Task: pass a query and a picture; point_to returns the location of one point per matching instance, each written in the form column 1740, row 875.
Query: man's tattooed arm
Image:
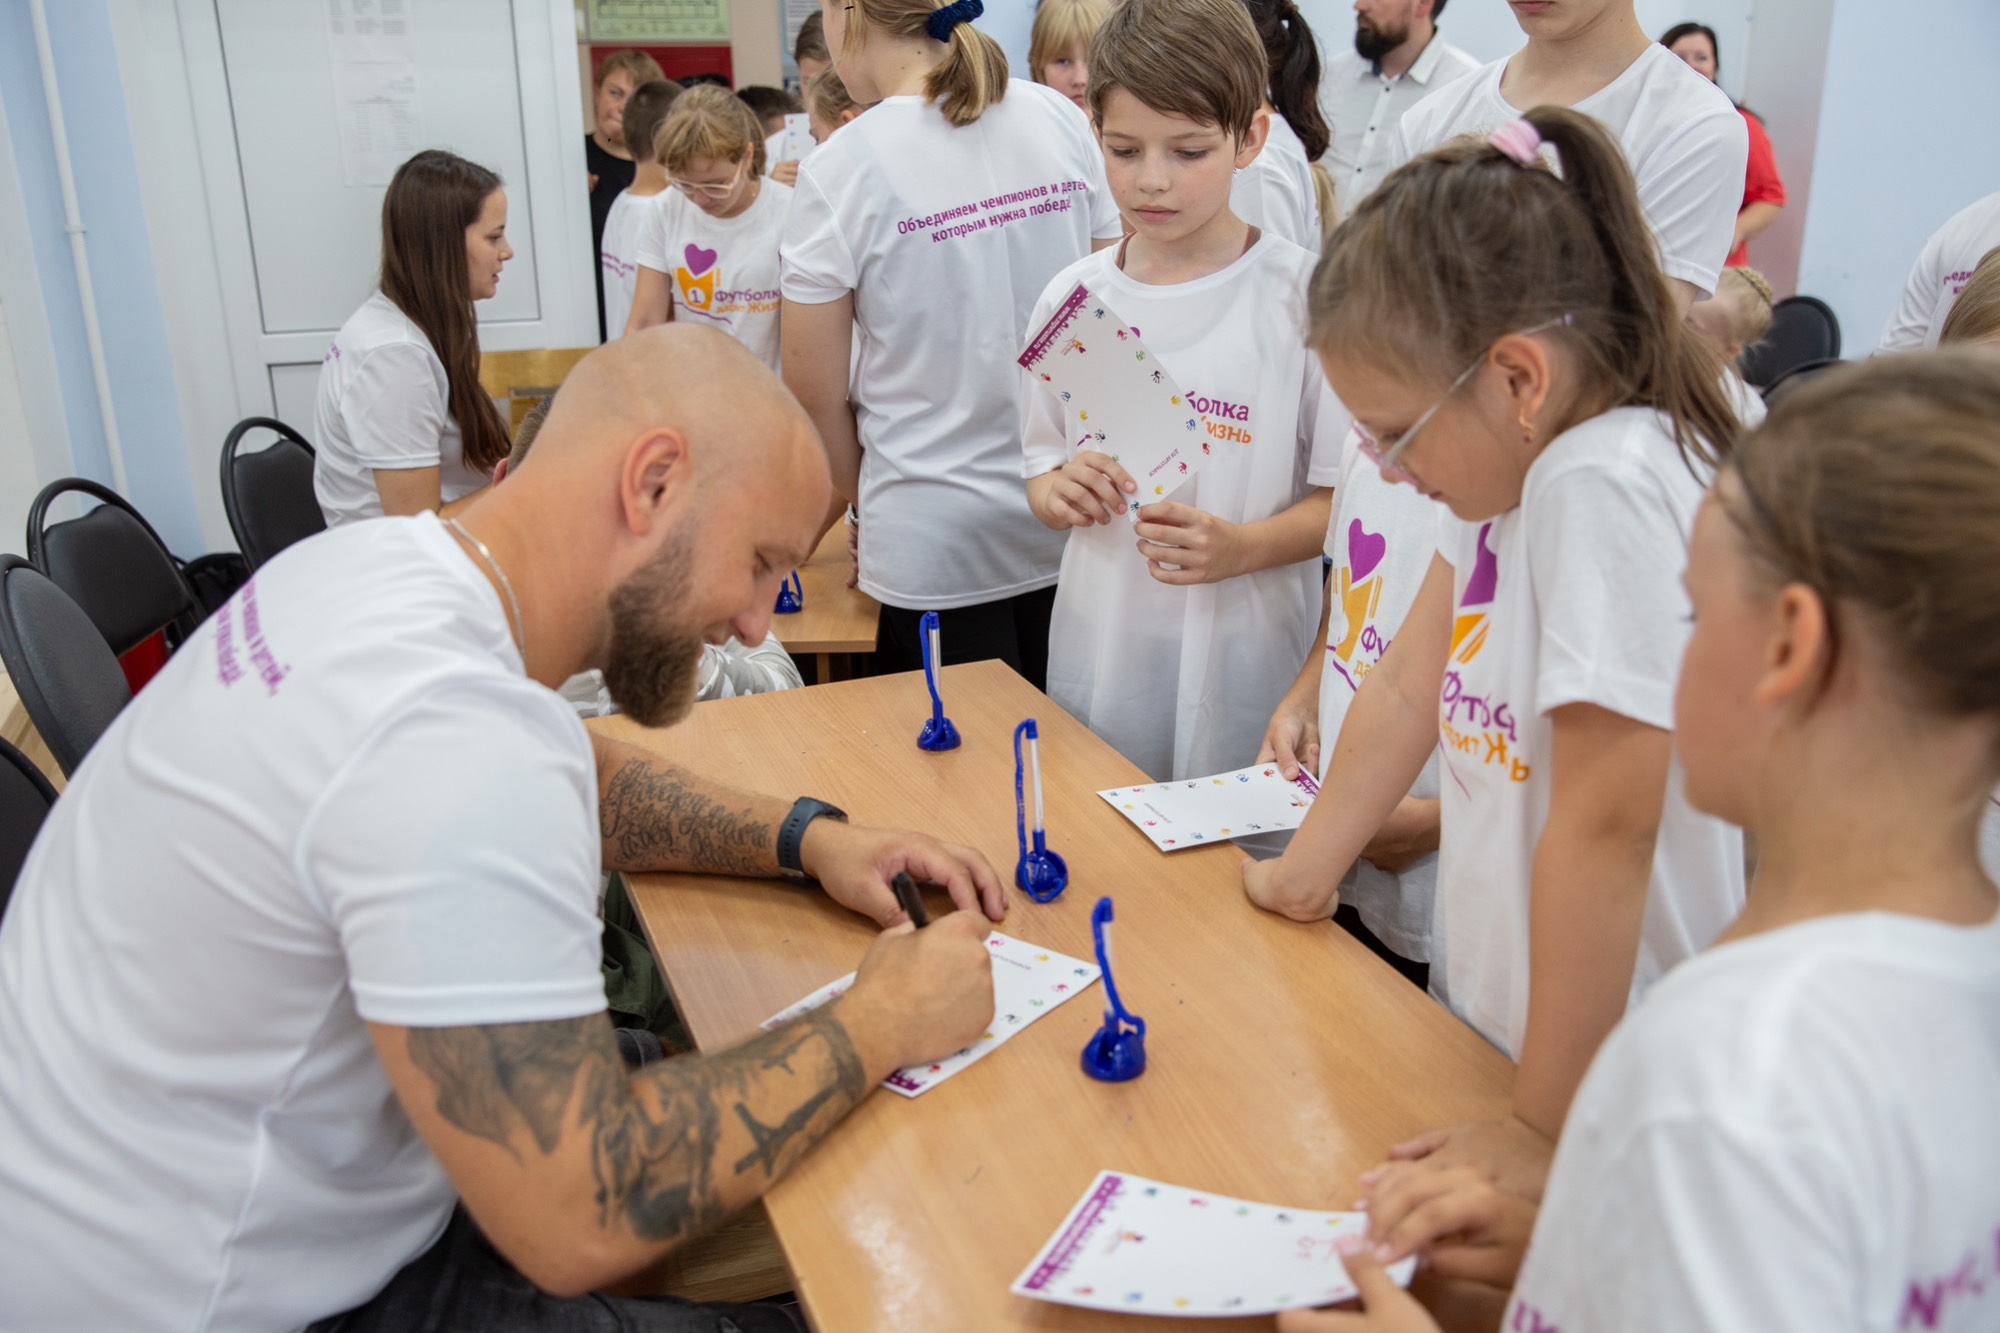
column 655, row 815
column 672, row 1148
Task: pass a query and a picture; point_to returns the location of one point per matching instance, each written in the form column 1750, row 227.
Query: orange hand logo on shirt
column 696, row 279
column 1359, row 588
column 1468, row 630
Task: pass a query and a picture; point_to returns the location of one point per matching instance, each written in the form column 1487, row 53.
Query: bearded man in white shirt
column 1397, row 60
column 299, row 989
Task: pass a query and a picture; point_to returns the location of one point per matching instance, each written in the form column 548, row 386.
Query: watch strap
column 792, row 833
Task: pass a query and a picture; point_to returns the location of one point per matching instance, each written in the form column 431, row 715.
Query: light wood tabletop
column 836, row 618
column 1283, row 1058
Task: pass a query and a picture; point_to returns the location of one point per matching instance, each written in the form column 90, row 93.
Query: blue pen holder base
column 1042, row 875
column 938, row 734
column 1115, row 1055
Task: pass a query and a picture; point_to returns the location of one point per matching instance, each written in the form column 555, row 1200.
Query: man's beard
column 1371, row 44
column 654, row 661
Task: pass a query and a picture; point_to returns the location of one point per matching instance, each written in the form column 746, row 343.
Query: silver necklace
column 506, row 585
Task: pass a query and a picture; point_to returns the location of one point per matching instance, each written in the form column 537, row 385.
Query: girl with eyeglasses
column 710, row 250
column 1509, row 346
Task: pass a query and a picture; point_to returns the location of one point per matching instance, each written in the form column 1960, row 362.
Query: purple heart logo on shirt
column 699, row 260
column 1485, row 580
column 1365, row 550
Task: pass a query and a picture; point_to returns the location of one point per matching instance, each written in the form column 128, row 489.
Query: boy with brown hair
column 618, row 251
column 1226, row 584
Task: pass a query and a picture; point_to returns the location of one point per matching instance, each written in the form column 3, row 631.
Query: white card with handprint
column 1199, row 811
column 1028, row 981
column 1116, row 397
column 1145, row 1247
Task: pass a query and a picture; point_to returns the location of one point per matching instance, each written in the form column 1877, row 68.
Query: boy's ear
column 1253, row 140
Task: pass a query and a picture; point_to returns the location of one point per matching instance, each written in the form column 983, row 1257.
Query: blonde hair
column 1877, row 485
column 829, row 100
column 1754, row 299
column 1060, row 27
column 642, row 67
column 1975, row 317
column 973, row 74
column 1327, row 200
column 712, row 122
column 1145, row 48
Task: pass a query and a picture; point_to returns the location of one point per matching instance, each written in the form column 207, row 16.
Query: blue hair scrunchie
column 942, row 21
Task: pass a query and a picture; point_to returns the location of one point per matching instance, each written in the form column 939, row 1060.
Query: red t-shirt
column 1761, row 184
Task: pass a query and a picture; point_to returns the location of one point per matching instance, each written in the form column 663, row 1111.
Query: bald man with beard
column 300, row 1004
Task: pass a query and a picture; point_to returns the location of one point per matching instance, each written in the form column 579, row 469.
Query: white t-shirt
column 1275, row 192
column 1683, row 137
column 1942, row 269
column 1363, row 108
column 340, row 801
column 1181, row 681
column 1572, row 597
column 1795, row 1132
column 1749, row 404
column 618, row 255
column 384, row 402
column 1380, row 537
column 794, row 143
column 946, row 235
column 723, row 271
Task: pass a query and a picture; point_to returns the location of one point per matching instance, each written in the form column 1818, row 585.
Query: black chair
column 1796, row 376
column 25, row 798
column 269, row 495
column 61, row 666
column 1803, row 328
column 112, row 563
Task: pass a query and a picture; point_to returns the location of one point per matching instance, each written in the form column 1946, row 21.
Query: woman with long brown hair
column 402, row 424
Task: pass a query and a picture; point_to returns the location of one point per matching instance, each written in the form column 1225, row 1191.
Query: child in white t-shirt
column 1940, row 273
column 1173, row 639
column 1795, row 1130
column 1737, row 315
column 924, row 231
column 631, row 211
column 710, row 249
column 1379, row 546
column 828, row 106
column 1276, row 191
column 1505, row 342
column 1683, row 138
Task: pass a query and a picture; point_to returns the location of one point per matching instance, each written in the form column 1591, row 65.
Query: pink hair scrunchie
column 1519, row 140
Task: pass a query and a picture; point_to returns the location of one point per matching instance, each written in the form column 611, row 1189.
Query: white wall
column 1906, row 139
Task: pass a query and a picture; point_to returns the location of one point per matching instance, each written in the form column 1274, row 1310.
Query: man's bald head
column 741, row 424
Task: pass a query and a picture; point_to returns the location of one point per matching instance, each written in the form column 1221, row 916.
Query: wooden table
column 836, row 618
column 1283, row 1058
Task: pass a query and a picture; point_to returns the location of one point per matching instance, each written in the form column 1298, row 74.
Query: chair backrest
column 112, row 564
column 25, row 798
column 1796, row 376
column 269, row 495
column 60, row 664
column 1803, row 328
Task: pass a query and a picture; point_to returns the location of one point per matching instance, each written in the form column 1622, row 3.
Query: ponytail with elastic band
column 942, row 21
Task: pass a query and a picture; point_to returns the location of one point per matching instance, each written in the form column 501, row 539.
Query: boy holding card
column 1175, row 637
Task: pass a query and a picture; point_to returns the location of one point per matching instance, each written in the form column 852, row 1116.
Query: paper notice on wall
column 380, row 120
column 796, row 12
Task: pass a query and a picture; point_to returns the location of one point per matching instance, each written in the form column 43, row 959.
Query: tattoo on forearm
column 652, row 817
column 656, row 1137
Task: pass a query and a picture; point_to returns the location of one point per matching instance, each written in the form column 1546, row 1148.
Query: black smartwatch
column 792, row 834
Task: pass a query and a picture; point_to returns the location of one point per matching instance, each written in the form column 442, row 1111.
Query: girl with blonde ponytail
column 1508, row 346
column 922, row 234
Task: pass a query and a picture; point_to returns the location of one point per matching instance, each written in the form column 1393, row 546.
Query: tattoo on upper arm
column 655, row 1136
column 652, row 816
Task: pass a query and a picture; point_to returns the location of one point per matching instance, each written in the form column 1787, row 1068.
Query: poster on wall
column 796, row 13
column 374, row 87
column 656, row 22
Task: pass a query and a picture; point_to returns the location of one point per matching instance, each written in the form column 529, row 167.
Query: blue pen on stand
column 1041, row 874
column 938, row 733
column 791, row 596
column 1117, row 1052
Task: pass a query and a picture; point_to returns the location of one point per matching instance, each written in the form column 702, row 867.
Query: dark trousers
column 463, row 1285
column 1014, row 630
column 1349, row 920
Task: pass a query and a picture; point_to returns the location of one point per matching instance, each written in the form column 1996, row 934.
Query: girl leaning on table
column 1795, row 1131
column 1508, row 345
